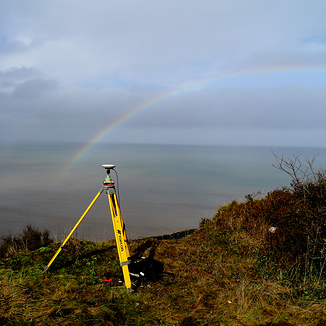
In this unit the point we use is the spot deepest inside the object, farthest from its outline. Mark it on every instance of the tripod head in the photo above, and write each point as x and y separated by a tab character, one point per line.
108	182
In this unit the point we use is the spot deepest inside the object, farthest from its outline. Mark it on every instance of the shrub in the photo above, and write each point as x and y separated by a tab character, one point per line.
287	226
31	239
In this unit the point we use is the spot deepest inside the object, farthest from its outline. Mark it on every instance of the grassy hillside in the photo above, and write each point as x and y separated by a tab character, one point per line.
260	262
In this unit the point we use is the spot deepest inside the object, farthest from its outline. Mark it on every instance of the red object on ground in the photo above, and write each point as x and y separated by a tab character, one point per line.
109	280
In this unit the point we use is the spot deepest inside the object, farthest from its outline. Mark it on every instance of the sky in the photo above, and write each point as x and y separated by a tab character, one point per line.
215	72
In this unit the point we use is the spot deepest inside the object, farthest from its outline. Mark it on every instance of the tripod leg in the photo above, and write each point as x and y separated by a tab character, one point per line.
124	232
120	237
73	230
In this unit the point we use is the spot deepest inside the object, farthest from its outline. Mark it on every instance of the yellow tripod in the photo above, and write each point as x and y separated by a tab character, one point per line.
118	226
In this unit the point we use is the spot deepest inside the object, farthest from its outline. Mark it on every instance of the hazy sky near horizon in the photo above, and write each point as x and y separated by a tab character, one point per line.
224	72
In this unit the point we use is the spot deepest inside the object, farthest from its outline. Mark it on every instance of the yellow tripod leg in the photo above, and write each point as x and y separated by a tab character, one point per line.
121	238
117	206
73	230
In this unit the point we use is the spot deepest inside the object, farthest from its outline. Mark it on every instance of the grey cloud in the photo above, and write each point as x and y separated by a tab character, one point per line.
25	82
34	88
282	108
12	47
79	115
17	46
16	75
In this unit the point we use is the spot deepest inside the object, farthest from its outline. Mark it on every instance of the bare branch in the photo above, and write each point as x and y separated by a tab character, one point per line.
298	171
290	166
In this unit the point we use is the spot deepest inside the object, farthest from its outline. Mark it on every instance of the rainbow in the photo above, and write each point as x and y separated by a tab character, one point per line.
112	125
162	97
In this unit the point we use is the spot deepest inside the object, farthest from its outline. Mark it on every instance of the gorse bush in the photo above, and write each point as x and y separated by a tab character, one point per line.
288	226
31	239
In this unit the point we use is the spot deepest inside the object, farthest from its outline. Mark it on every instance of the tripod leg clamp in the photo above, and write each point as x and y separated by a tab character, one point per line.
125	263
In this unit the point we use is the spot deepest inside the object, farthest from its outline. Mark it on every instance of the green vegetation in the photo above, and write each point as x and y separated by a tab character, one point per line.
259	262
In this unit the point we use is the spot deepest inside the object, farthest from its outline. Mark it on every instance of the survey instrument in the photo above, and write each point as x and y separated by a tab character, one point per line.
118	226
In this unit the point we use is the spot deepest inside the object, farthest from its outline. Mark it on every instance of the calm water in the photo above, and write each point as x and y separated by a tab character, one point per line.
163	188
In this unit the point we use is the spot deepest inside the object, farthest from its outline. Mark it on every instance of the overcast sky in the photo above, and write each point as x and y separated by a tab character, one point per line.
246	72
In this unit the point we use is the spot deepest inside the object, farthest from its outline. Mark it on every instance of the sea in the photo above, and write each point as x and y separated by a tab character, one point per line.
161	189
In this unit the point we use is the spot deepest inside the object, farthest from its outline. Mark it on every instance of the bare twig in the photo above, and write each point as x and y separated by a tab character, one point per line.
298	171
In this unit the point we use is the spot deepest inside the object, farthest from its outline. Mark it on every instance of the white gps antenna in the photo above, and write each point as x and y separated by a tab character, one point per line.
108	166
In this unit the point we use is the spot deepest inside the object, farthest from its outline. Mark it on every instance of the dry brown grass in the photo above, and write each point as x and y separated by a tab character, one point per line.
207	283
